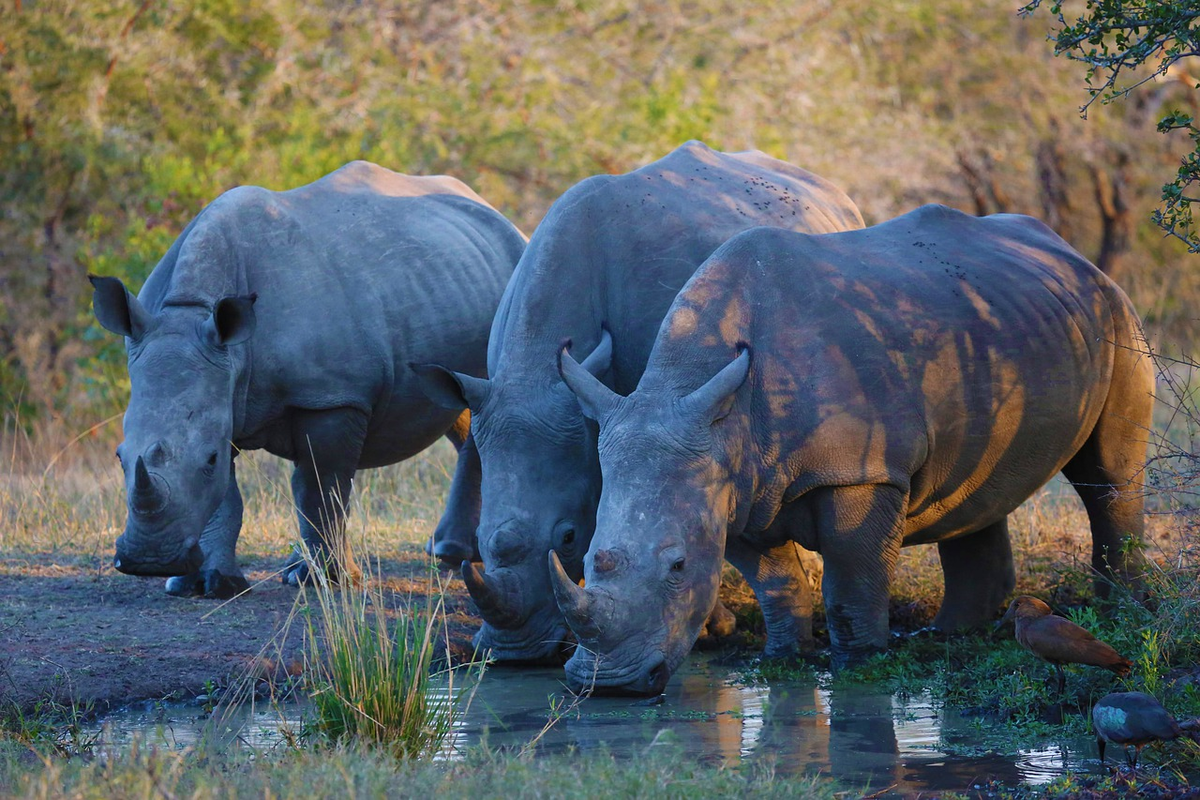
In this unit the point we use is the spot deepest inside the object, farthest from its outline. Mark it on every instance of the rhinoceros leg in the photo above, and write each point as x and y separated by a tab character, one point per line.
327	447
1106	471
979	575
784	593
453	540
219	576
1104	480
859	530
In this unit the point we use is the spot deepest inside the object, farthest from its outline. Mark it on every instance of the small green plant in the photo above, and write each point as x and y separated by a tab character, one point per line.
372	678
50	725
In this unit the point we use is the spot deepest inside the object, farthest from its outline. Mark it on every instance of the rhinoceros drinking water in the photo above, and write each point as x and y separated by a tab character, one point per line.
285	321
853	393
601	269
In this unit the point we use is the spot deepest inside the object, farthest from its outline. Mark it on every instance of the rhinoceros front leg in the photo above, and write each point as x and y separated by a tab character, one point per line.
784	593
859	531
979	575
327	447
219	576
453	540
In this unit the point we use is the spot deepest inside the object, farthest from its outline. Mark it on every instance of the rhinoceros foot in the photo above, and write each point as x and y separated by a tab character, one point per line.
207	583
299	573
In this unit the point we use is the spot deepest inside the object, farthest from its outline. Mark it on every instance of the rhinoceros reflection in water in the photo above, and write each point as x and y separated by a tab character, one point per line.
284	321
853	393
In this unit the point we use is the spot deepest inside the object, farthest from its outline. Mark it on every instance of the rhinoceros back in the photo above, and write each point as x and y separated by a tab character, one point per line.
615	250
937	352
356	275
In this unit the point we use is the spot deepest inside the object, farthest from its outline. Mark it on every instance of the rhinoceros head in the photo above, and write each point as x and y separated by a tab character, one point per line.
653	569
179	424
540	484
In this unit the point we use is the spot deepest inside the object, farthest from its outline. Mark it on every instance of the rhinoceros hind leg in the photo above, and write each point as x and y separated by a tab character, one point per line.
327	445
1114	507
453	540
219	577
784	593
1107	470
979	575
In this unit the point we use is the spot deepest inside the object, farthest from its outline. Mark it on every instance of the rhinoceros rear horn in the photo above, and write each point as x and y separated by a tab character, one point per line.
600	359
116	309
714	399
595	399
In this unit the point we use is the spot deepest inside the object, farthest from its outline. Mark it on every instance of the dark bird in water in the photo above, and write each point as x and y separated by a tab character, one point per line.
1135	718
1058	640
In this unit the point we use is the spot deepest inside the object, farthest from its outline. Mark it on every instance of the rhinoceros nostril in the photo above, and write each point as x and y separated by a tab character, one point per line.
605	560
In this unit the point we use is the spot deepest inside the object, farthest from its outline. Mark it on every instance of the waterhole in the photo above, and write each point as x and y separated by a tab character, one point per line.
713	713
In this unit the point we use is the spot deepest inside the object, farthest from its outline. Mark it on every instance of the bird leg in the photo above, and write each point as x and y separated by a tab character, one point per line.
1062	682
1100	746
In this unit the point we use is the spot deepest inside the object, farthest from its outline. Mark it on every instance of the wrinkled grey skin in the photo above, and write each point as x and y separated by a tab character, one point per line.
909	383
601	270
285	321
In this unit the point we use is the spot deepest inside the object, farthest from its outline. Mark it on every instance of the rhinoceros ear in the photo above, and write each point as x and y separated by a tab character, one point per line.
714	400
232	321
595	399
450	389
116	309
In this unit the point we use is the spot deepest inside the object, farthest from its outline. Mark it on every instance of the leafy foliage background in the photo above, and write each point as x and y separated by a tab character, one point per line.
120	120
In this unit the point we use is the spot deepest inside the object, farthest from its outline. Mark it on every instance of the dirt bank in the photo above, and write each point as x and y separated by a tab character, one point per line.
99	639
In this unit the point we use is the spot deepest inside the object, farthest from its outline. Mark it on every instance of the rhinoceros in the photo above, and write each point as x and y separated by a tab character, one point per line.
853	393
285	321
602	269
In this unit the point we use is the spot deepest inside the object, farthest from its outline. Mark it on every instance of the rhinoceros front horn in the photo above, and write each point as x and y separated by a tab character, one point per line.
488	596
578	607
146	498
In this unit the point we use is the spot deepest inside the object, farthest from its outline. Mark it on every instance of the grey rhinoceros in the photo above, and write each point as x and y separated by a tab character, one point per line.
601	269
285	321
908	383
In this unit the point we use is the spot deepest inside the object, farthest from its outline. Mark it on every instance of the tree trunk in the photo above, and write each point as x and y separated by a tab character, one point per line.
1112	191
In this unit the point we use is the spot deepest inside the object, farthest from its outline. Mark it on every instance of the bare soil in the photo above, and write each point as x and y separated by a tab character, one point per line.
89	637
84	636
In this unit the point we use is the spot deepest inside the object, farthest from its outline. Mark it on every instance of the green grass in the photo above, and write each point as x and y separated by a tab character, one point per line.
371	673
355	771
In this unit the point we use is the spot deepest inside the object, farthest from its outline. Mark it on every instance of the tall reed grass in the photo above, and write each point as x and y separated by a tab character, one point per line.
373	676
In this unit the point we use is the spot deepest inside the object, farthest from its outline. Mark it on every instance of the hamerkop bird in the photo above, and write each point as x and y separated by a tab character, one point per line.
1058	640
1135	718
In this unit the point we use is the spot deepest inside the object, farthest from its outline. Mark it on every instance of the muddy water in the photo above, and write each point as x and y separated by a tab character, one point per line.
864	738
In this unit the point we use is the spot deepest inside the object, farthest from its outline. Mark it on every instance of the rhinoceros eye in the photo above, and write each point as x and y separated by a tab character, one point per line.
569	536
678	565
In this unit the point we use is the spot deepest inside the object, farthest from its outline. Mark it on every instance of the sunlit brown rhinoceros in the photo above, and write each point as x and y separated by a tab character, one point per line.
853	393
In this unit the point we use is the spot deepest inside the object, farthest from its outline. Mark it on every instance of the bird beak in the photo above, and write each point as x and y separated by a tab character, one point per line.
1007	616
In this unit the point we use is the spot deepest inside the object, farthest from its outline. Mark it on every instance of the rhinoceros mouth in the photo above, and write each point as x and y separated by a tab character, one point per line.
545	646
